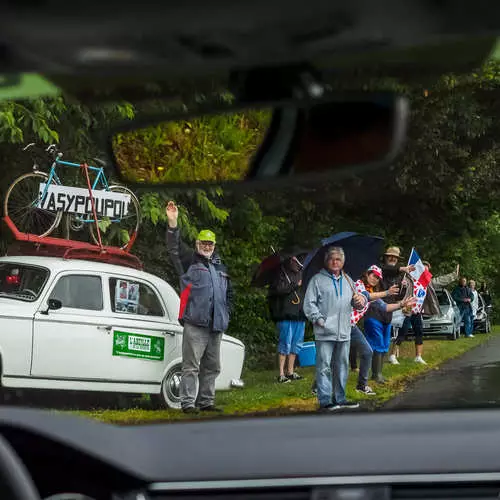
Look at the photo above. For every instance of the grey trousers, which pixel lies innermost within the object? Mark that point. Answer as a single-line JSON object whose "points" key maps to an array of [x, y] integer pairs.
{"points": [[200, 366]]}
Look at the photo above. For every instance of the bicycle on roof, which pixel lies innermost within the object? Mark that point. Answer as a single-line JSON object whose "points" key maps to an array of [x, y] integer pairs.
{"points": [[36, 202]]}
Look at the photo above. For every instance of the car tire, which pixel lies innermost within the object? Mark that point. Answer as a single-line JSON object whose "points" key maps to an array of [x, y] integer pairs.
{"points": [[453, 336], [170, 389]]}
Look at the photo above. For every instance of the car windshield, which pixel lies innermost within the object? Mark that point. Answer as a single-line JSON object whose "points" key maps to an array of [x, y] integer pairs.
{"points": [[18, 281], [228, 299], [443, 298]]}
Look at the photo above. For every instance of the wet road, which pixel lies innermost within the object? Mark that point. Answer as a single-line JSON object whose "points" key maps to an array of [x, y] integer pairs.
{"points": [[470, 381]]}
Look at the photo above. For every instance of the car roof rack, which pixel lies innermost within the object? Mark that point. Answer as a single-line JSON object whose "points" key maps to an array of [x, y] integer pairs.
{"points": [[47, 246]]}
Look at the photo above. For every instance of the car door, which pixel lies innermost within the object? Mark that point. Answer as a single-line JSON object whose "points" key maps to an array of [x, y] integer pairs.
{"points": [[142, 333], [456, 310], [71, 343]]}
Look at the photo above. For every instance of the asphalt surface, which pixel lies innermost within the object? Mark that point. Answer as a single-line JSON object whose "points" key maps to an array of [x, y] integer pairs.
{"points": [[472, 380]]}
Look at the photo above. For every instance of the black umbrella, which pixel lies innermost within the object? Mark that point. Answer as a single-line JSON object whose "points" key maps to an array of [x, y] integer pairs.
{"points": [[361, 252]]}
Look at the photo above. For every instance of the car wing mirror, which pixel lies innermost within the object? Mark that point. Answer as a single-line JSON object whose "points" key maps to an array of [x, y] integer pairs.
{"points": [[52, 305]]}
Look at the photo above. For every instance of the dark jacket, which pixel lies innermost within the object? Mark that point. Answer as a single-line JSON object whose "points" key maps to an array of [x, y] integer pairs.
{"points": [[459, 294], [282, 294], [206, 290], [392, 276]]}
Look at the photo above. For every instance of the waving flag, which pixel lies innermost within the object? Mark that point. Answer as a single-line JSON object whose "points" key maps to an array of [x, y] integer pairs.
{"points": [[421, 279]]}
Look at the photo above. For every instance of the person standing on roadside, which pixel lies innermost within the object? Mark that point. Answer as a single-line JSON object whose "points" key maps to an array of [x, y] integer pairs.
{"points": [[394, 275], [328, 304], [475, 299], [485, 292], [370, 285], [462, 295], [205, 307], [285, 299], [430, 308]]}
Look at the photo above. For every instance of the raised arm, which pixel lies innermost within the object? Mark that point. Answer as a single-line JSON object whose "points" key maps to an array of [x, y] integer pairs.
{"points": [[446, 279], [180, 254]]}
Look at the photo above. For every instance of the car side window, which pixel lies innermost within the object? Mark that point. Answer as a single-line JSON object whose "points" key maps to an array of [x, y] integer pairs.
{"points": [[79, 292], [133, 297]]}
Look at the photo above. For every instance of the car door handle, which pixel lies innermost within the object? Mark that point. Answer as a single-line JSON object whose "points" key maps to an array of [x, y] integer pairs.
{"points": [[166, 332], [106, 328]]}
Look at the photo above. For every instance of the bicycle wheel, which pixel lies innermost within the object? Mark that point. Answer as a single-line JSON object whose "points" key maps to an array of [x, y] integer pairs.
{"points": [[20, 205], [118, 234]]}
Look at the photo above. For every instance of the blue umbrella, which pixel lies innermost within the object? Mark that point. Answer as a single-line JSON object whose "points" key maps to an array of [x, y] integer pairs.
{"points": [[361, 251]]}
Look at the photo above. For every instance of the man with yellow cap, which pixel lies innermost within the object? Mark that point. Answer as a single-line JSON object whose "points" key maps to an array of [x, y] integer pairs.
{"points": [[205, 307]]}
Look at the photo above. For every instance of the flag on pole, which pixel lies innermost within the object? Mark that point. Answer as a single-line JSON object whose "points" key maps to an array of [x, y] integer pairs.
{"points": [[421, 279]]}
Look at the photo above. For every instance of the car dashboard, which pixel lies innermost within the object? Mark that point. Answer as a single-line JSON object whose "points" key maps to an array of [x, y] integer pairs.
{"points": [[432, 454]]}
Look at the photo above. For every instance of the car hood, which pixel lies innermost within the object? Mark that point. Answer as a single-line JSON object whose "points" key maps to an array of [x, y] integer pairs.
{"points": [[14, 307], [444, 311]]}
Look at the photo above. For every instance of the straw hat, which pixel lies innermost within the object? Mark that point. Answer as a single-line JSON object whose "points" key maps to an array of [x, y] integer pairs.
{"points": [[393, 252]]}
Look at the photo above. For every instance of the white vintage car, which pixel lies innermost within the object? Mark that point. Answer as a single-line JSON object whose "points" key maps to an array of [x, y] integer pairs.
{"points": [[68, 324]]}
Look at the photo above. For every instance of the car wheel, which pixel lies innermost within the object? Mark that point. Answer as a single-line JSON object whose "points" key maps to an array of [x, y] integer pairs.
{"points": [[170, 388], [453, 336]]}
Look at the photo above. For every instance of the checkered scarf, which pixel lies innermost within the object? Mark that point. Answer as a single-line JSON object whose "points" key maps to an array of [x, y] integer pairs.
{"points": [[357, 315]]}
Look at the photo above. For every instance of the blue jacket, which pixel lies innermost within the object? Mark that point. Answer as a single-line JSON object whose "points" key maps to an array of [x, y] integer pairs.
{"points": [[206, 290], [329, 299]]}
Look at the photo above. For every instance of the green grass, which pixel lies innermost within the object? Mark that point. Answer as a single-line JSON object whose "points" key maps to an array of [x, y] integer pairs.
{"points": [[262, 395]]}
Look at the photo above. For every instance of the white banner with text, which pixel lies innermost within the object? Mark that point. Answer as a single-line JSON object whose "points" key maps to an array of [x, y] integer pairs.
{"points": [[77, 200]]}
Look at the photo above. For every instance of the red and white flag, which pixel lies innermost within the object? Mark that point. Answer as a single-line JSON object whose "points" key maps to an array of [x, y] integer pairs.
{"points": [[421, 279]]}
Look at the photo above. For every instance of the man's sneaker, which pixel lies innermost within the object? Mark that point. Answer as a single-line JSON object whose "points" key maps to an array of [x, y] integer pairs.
{"points": [[329, 408], [294, 376], [211, 409], [283, 380], [366, 390], [190, 409], [348, 404], [420, 360], [470, 336], [393, 360]]}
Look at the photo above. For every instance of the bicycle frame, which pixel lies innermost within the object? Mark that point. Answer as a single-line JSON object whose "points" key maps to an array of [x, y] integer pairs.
{"points": [[100, 179]]}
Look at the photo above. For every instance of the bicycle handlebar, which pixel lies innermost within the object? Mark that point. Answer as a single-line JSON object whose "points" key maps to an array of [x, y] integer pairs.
{"points": [[51, 149]]}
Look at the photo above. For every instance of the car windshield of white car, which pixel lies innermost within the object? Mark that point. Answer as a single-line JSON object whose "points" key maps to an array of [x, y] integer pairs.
{"points": [[443, 299], [22, 282]]}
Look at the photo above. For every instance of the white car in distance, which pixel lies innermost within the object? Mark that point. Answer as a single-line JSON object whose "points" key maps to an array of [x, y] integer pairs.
{"points": [[71, 324]]}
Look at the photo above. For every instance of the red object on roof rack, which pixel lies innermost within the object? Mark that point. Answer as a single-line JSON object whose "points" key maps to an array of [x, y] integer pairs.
{"points": [[30, 244]]}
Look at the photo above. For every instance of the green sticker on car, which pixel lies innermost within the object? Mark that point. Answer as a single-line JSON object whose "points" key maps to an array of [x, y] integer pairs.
{"points": [[135, 345]]}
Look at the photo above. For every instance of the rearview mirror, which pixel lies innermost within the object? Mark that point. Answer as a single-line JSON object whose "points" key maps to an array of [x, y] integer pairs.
{"points": [[315, 139]]}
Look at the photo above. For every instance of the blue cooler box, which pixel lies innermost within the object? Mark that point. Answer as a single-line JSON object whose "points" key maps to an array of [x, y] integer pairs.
{"points": [[307, 355]]}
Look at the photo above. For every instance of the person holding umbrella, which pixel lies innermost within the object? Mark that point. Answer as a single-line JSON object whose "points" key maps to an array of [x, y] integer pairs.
{"points": [[329, 300], [285, 299]]}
